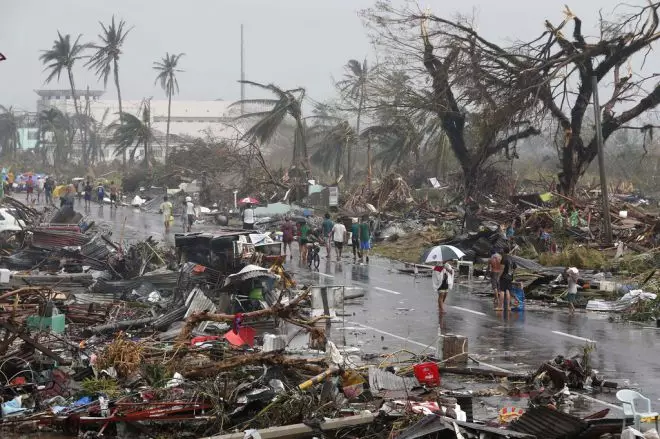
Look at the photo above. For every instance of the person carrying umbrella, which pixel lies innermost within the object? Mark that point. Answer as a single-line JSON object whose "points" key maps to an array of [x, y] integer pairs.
{"points": [[443, 281], [443, 272]]}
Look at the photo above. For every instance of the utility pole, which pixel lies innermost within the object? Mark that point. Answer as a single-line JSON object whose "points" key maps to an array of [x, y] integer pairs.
{"points": [[601, 165], [242, 72]]}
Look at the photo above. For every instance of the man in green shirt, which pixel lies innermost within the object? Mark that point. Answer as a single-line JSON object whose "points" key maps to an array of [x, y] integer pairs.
{"points": [[304, 231], [326, 228], [365, 239]]}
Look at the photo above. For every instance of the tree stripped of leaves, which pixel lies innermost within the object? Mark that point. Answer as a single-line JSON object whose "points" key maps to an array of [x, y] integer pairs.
{"points": [[549, 78], [478, 124]]}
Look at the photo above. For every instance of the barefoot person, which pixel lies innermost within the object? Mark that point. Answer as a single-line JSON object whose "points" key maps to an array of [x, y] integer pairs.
{"points": [[166, 210], [495, 270], [443, 281], [571, 275]]}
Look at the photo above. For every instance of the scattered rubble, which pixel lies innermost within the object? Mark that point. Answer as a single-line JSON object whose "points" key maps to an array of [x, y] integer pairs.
{"points": [[215, 338]]}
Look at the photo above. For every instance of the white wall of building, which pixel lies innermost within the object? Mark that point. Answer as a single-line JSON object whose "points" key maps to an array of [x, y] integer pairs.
{"points": [[188, 118]]}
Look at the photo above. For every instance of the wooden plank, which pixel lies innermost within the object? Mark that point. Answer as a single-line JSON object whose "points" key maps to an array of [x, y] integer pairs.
{"points": [[35, 344], [301, 430]]}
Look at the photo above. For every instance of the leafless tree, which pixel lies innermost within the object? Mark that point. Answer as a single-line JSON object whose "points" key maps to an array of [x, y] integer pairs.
{"points": [[439, 71]]}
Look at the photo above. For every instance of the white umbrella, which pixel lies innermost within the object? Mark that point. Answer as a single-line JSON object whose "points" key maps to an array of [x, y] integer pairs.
{"points": [[443, 253]]}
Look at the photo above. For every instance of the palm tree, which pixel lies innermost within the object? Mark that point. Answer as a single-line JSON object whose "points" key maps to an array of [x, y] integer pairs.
{"points": [[10, 122], [131, 133], [287, 103], [332, 137], [62, 57], [167, 70], [97, 138], [354, 86], [60, 126], [106, 57]]}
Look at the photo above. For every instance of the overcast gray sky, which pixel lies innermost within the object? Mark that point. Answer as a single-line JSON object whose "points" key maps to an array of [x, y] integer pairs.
{"points": [[288, 42]]}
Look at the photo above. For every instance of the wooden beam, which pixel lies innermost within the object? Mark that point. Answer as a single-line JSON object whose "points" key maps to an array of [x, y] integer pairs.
{"points": [[301, 430]]}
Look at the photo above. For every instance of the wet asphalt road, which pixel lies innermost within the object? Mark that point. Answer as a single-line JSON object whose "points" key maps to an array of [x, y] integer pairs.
{"points": [[399, 311]]}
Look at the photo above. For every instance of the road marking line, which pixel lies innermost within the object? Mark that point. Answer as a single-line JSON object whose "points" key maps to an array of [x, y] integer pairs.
{"points": [[393, 335], [574, 336], [323, 274], [469, 310], [386, 290]]}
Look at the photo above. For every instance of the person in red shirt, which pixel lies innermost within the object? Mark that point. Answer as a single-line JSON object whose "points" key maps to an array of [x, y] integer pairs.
{"points": [[29, 185], [288, 230]]}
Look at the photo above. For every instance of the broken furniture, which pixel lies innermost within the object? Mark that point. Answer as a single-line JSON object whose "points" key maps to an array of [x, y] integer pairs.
{"points": [[628, 399]]}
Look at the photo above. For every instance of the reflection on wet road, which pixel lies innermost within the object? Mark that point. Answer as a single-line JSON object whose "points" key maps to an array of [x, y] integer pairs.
{"points": [[400, 311]]}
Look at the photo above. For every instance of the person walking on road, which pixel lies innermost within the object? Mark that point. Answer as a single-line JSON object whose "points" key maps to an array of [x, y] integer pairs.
{"points": [[495, 270], [339, 238], [49, 186], [287, 236], [113, 194], [571, 275], [40, 188], [88, 194], [365, 239], [506, 280], [248, 217], [443, 281], [100, 193], [326, 230], [304, 233], [355, 240], [190, 213], [166, 210], [29, 188]]}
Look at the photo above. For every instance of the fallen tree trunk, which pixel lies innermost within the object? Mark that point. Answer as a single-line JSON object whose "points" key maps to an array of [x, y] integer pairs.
{"points": [[124, 324], [270, 358]]}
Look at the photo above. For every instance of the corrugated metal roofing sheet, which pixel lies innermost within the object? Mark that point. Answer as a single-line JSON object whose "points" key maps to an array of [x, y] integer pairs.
{"points": [[549, 424]]}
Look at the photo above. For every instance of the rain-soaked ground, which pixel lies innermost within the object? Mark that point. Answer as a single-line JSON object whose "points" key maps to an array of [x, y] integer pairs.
{"points": [[400, 312]]}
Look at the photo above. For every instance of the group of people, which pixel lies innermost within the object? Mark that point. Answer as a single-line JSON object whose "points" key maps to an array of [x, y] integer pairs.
{"points": [[188, 215], [330, 233], [501, 269]]}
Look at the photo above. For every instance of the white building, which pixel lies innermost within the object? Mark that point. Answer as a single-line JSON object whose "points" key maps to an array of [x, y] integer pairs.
{"points": [[189, 119]]}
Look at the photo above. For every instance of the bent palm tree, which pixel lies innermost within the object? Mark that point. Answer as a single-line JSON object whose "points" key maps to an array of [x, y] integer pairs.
{"points": [[354, 86], [56, 123], [287, 103], [106, 56], [167, 70], [331, 137], [62, 57], [131, 133], [97, 137], [9, 125]]}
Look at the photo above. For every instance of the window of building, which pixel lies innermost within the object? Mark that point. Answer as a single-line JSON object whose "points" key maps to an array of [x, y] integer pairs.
{"points": [[67, 97], [57, 97], [32, 135]]}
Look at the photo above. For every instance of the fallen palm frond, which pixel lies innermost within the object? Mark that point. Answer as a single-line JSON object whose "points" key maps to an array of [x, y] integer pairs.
{"points": [[126, 356]]}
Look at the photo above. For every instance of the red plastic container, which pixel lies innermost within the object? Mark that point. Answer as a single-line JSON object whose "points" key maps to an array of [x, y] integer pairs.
{"points": [[427, 373]]}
